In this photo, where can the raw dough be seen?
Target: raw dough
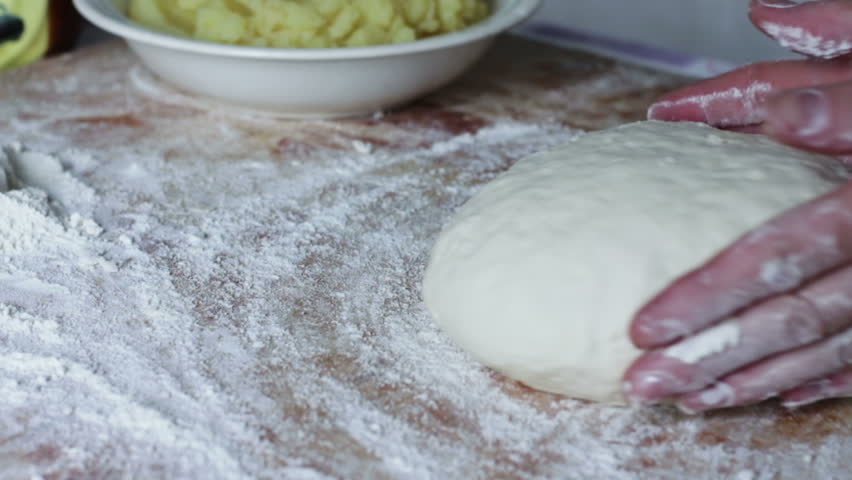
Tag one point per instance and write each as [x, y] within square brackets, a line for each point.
[539, 274]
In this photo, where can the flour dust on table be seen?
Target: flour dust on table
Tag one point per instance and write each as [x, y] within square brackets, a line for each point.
[539, 274]
[227, 296]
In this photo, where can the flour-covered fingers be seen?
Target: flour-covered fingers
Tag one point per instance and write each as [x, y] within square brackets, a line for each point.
[779, 324]
[817, 119]
[834, 386]
[684, 367]
[776, 257]
[738, 98]
[770, 377]
[820, 29]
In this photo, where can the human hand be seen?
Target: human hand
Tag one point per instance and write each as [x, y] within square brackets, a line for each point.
[772, 314]
[805, 103]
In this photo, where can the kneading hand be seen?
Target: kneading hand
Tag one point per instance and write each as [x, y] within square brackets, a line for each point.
[772, 314]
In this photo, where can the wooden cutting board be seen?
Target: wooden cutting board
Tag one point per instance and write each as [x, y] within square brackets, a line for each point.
[249, 305]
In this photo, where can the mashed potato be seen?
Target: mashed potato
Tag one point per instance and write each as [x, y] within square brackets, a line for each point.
[308, 23]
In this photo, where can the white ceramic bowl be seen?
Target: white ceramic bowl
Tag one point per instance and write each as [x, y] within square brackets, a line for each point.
[308, 83]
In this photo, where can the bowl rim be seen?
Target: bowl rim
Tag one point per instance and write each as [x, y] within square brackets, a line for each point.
[104, 14]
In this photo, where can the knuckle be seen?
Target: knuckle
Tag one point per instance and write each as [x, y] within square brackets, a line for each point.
[831, 297]
[804, 323]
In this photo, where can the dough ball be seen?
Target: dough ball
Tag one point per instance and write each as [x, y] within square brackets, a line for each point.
[539, 274]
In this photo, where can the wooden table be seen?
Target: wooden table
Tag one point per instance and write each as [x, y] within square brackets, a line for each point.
[251, 308]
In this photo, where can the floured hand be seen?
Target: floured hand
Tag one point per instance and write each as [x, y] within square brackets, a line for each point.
[778, 302]
[806, 103]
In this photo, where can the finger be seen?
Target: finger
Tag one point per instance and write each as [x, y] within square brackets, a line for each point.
[818, 29]
[779, 324]
[817, 119]
[834, 386]
[775, 375]
[777, 257]
[737, 98]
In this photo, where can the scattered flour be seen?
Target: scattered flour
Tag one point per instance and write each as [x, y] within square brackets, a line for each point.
[713, 341]
[172, 306]
[800, 40]
[227, 337]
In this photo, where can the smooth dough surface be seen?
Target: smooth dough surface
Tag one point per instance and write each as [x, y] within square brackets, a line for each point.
[539, 274]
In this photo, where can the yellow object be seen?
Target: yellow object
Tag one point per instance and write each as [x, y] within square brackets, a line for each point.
[308, 23]
[35, 40]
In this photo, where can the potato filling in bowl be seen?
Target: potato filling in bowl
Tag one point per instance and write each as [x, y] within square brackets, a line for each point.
[308, 23]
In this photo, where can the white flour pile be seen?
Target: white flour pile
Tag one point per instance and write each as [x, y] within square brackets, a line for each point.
[172, 307]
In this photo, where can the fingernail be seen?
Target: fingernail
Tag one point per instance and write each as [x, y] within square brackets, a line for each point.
[687, 108]
[661, 331]
[806, 398]
[633, 400]
[655, 111]
[648, 387]
[809, 393]
[639, 402]
[794, 404]
[777, 3]
[805, 113]
[719, 395]
[687, 410]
